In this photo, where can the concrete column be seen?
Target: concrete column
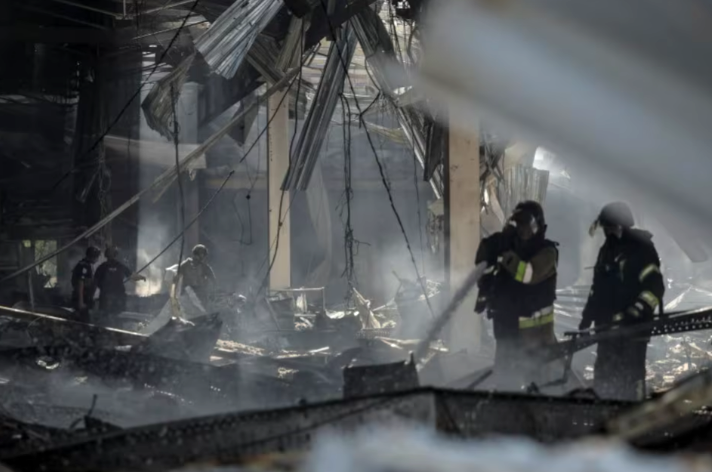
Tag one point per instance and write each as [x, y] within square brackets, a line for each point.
[462, 212]
[277, 165]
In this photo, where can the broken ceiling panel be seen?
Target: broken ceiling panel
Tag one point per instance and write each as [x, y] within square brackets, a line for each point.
[263, 56]
[314, 131]
[378, 48]
[522, 183]
[230, 37]
[435, 155]
[158, 104]
[293, 45]
[394, 134]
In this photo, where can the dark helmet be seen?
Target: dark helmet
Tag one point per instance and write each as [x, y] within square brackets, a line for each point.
[111, 252]
[530, 209]
[93, 252]
[616, 214]
[200, 251]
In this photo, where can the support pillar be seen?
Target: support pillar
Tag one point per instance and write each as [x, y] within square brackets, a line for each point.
[462, 233]
[280, 253]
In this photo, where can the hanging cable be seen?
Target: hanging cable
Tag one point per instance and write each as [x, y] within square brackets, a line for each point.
[86, 233]
[131, 99]
[349, 268]
[181, 194]
[190, 223]
[280, 218]
[381, 170]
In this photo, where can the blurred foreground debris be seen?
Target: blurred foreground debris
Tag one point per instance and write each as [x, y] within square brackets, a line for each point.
[241, 438]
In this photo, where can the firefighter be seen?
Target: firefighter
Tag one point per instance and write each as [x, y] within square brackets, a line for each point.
[518, 291]
[627, 289]
[109, 279]
[83, 284]
[195, 273]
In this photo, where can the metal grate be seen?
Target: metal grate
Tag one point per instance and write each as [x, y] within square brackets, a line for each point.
[234, 436]
[697, 320]
[543, 418]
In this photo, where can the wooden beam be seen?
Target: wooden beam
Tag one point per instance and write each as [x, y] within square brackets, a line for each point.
[462, 211]
[280, 252]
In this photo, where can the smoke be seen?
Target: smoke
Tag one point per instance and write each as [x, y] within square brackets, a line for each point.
[549, 80]
[152, 239]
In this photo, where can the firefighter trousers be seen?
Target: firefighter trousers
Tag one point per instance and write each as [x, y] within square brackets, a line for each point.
[619, 370]
[516, 364]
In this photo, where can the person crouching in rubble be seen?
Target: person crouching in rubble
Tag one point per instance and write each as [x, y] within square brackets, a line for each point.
[110, 277]
[627, 289]
[195, 273]
[518, 291]
[83, 288]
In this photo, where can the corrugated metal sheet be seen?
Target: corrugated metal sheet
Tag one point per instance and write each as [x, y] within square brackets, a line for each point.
[317, 123]
[226, 43]
[378, 48]
[522, 183]
[158, 104]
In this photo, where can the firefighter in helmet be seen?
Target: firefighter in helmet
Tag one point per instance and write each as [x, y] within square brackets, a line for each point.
[518, 291]
[627, 288]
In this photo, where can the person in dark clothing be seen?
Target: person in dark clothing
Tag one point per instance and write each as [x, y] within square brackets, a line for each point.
[83, 284]
[627, 288]
[110, 277]
[518, 291]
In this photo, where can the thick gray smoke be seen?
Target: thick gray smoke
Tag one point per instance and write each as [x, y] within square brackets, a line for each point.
[632, 123]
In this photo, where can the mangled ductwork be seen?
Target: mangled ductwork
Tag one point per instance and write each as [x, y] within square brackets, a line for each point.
[264, 55]
[522, 183]
[226, 44]
[379, 52]
[317, 123]
[158, 104]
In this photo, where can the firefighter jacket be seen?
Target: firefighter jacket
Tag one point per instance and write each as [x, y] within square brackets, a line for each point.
[627, 283]
[519, 287]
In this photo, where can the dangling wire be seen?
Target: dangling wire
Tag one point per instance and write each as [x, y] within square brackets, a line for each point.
[347, 196]
[176, 143]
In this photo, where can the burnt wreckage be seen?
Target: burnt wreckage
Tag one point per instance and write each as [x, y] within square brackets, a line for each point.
[78, 396]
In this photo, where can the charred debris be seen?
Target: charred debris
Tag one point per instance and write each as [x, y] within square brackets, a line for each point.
[254, 373]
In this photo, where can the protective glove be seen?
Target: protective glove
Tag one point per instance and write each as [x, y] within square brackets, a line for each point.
[510, 262]
[632, 315]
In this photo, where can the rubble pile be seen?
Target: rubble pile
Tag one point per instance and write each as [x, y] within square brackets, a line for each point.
[148, 367]
[672, 358]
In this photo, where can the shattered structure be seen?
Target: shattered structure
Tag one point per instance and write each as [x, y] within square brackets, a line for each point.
[340, 206]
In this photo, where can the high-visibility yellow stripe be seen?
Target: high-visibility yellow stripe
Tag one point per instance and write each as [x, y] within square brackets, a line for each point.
[537, 321]
[650, 269]
[650, 299]
[521, 270]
